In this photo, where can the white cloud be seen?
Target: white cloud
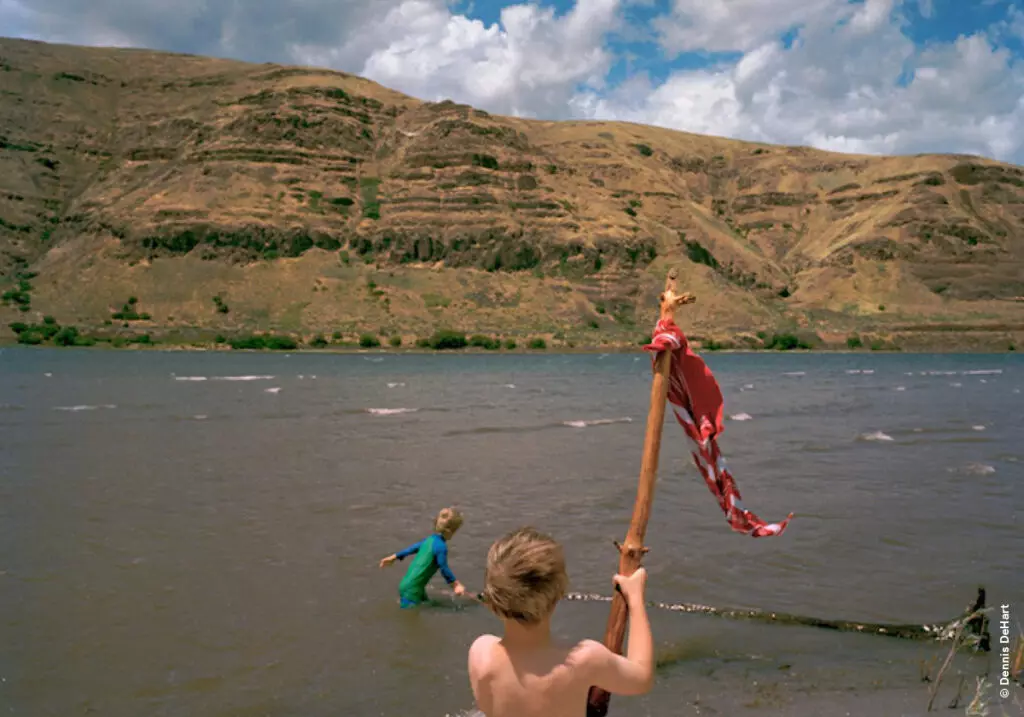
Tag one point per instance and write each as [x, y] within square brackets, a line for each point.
[842, 86]
[736, 25]
[1013, 24]
[530, 64]
[851, 80]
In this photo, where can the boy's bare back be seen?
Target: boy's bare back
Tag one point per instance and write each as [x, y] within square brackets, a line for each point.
[525, 674]
[553, 682]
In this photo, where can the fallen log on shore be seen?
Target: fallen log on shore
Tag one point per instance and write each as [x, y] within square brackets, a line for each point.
[971, 622]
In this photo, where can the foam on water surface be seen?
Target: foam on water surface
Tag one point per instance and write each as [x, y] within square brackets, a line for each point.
[84, 407]
[876, 436]
[390, 411]
[596, 422]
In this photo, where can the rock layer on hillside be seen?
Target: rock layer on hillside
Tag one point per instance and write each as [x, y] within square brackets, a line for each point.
[134, 158]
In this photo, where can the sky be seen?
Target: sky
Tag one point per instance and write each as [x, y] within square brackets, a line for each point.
[868, 76]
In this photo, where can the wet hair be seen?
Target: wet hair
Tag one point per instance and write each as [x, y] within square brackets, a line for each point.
[525, 577]
[448, 520]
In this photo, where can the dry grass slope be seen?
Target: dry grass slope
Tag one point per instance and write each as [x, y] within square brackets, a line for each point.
[314, 201]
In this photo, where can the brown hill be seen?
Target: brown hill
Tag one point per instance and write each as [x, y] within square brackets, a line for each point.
[310, 200]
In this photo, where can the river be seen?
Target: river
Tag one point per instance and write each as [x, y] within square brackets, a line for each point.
[198, 533]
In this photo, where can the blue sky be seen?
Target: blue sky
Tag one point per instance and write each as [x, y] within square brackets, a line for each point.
[872, 76]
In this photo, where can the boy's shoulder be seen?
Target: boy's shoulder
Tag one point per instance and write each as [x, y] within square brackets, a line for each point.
[588, 652]
[483, 645]
[481, 656]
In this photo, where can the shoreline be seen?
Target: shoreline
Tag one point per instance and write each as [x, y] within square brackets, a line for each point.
[476, 351]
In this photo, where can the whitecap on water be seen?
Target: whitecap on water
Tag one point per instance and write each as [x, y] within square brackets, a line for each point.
[48, 375]
[956, 385]
[979, 469]
[983, 372]
[901, 388]
[276, 389]
[190, 378]
[83, 408]
[243, 378]
[390, 411]
[747, 387]
[978, 428]
[741, 417]
[876, 436]
[510, 385]
[795, 373]
[596, 422]
[395, 385]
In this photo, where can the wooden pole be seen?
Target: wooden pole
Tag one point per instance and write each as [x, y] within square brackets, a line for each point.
[631, 552]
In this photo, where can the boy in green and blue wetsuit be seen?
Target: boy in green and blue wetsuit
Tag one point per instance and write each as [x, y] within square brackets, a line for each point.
[431, 555]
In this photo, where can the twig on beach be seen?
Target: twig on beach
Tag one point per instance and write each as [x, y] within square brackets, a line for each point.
[945, 666]
[958, 637]
[926, 668]
[953, 703]
[978, 707]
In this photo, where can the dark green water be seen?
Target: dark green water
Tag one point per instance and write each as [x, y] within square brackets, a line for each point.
[210, 547]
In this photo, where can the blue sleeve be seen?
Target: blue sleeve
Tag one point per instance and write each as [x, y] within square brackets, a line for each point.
[441, 555]
[408, 551]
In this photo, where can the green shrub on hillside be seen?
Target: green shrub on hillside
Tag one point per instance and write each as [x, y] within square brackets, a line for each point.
[786, 342]
[484, 342]
[448, 339]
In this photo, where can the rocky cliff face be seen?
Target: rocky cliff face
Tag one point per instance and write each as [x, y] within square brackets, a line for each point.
[178, 178]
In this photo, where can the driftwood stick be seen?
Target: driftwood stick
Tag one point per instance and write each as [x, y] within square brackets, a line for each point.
[945, 665]
[632, 550]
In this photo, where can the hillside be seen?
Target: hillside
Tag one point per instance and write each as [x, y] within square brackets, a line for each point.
[310, 200]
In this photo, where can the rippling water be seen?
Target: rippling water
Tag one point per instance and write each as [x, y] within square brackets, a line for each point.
[198, 534]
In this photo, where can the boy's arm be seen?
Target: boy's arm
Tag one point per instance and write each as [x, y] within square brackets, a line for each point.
[408, 551]
[480, 675]
[400, 554]
[441, 555]
[634, 673]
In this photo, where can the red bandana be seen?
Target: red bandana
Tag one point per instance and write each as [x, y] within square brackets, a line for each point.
[694, 391]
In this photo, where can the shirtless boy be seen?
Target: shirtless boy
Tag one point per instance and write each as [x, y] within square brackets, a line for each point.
[524, 673]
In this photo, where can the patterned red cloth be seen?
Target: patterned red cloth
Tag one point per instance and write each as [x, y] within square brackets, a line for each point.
[695, 391]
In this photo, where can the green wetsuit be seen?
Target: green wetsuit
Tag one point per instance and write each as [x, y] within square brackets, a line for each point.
[431, 556]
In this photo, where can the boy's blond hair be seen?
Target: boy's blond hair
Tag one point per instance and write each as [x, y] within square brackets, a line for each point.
[448, 520]
[525, 577]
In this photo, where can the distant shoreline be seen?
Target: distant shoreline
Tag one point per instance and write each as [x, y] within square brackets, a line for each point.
[476, 351]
